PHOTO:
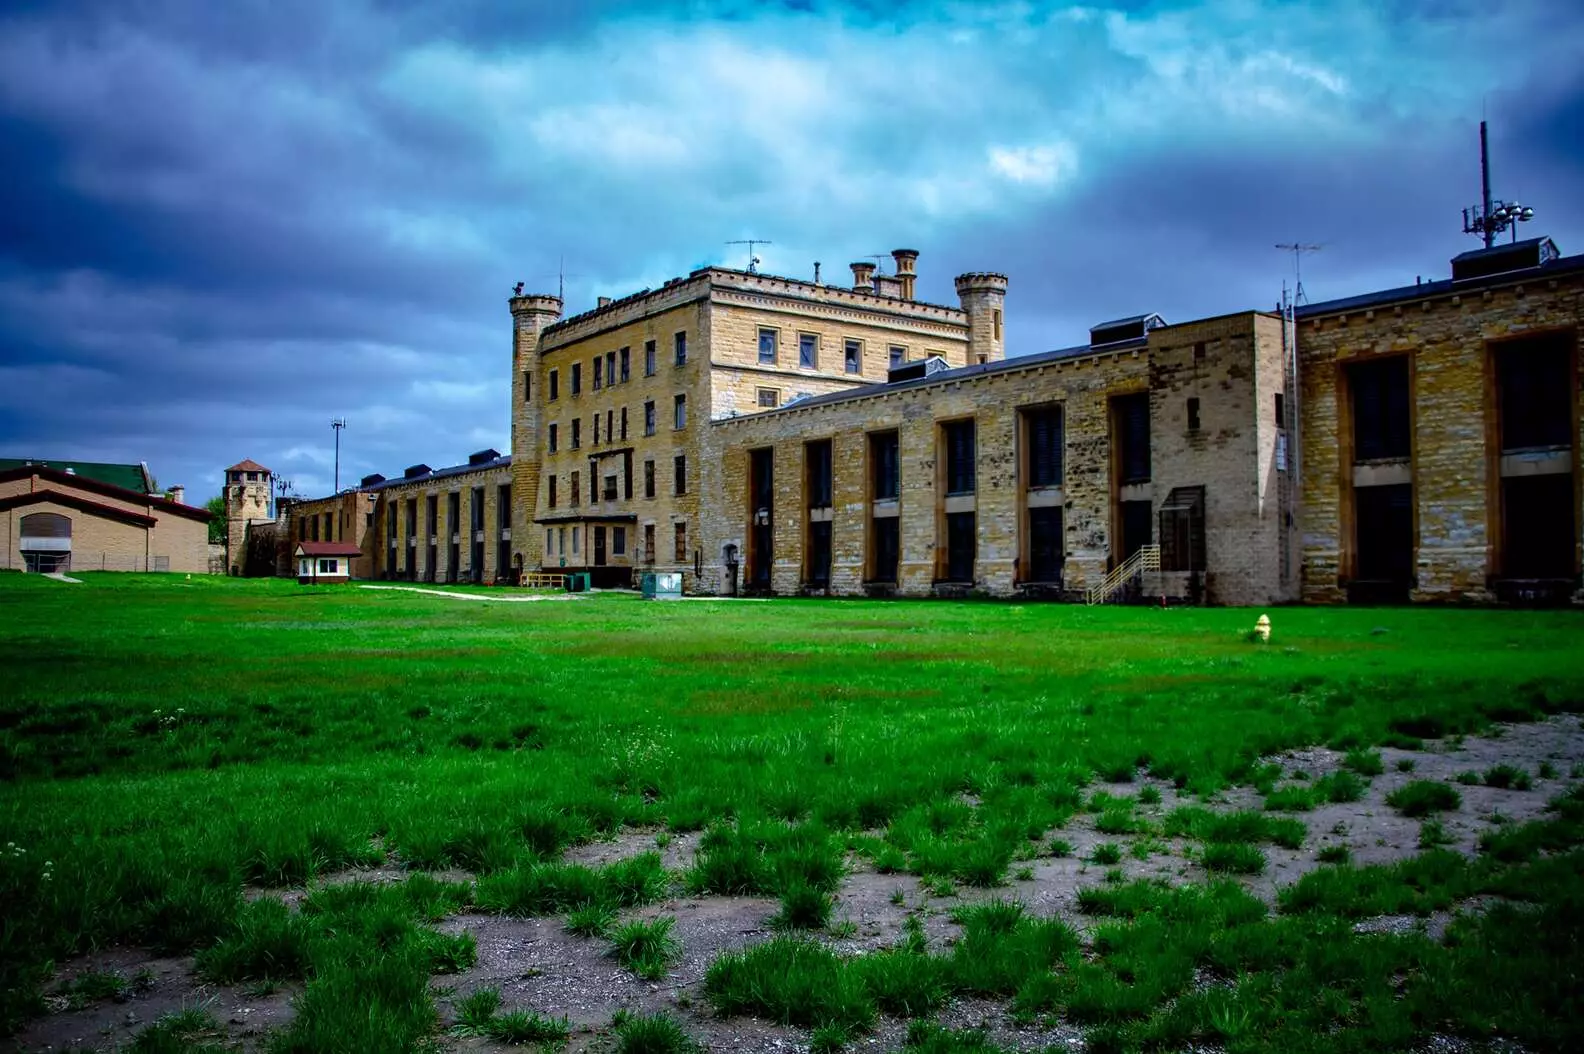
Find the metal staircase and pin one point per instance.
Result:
(1146, 559)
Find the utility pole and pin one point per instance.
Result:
(338, 424)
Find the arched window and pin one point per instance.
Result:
(46, 542)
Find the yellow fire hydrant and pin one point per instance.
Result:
(1262, 629)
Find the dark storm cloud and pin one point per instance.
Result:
(224, 224)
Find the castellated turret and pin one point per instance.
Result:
(532, 314)
(982, 294)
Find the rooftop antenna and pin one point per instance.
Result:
(561, 277)
(283, 487)
(338, 423)
(753, 261)
(1298, 249)
(1490, 217)
(879, 259)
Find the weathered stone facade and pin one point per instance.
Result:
(1449, 336)
(748, 431)
(1231, 366)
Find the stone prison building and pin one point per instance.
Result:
(770, 435)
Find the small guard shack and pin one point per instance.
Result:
(322, 562)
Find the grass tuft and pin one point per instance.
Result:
(1423, 797)
(645, 948)
(651, 1034)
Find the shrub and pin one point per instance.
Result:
(1335, 854)
(1061, 847)
(903, 982)
(1469, 778)
(636, 881)
(1433, 833)
(1149, 796)
(1423, 797)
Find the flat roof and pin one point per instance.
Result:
(1442, 287)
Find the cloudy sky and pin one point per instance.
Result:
(223, 224)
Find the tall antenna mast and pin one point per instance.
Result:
(1298, 249)
(1492, 216)
(338, 424)
(753, 261)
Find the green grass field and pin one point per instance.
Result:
(165, 742)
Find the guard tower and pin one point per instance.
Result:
(983, 294)
(247, 499)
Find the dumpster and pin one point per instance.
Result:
(662, 586)
(578, 582)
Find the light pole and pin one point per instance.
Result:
(338, 424)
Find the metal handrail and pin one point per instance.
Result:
(1147, 558)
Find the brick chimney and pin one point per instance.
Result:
(178, 494)
(863, 276)
(905, 259)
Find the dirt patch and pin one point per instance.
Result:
(245, 1015)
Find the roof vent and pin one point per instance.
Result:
(1499, 259)
(414, 471)
(1122, 330)
(912, 371)
(482, 456)
(369, 481)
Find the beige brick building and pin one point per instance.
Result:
(765, 434)
(56, 518)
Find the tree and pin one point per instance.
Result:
(218, 521)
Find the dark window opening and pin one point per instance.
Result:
(761, 510)
(1047, 548)
(1383, 533)
(680, 344)
(649, 543)
(1379, 392)
(649, 358)
(1534, 379)
(1132, 425)
(1538, 532)
(960, 544)
(819, 570)
(817, 456)
(552, 443)
(852, 355)
(887, 548)
(681, 543)
(555, 385)
(552, 492)
(626, 364)
(610, 487)
(1182, 530)
(599, 544)
(1044, 447)
(649, 418)
(577, 432)
(1193, 414)
(679, 469)
(883, 455)
(767, 347)
(1137, 527)
(649, 479)
(1281, 411)
(959, 441)
(599, 372)
(808, 354)
(577, 377)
